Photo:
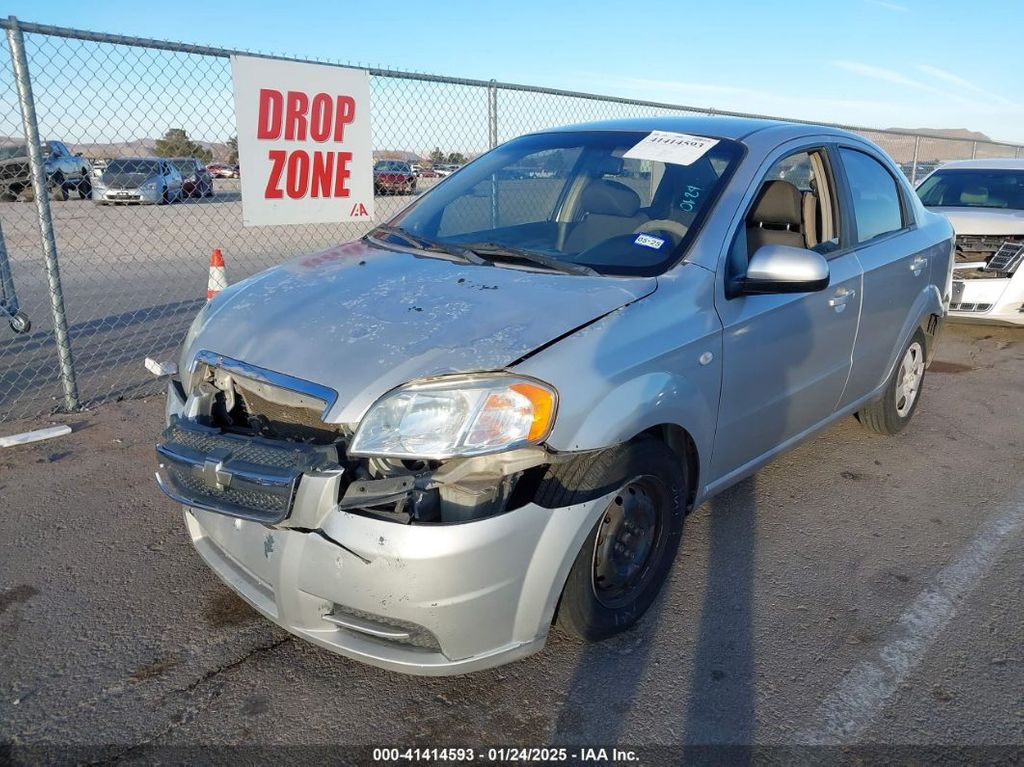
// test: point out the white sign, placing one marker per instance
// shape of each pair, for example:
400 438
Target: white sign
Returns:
676 148
303 142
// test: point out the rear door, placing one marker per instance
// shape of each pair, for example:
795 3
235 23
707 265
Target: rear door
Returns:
786 357
879 219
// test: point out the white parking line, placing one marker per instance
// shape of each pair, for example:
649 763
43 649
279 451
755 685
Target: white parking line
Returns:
867 688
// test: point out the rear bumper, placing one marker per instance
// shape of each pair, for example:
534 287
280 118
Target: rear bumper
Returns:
418 599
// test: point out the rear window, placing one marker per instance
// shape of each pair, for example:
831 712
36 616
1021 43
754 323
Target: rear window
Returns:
974 188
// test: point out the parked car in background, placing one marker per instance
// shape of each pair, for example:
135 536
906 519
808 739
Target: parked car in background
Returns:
428 172
984 200
64 171
223 170
196 180
541 377
446 170
152 180
393 177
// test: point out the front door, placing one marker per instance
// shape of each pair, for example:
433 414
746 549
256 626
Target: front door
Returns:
786 357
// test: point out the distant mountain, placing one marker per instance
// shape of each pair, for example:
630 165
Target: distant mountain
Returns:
960 133
140 147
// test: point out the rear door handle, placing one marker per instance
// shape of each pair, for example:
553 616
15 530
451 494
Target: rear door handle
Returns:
916 265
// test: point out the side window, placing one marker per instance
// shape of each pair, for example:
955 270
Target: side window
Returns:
796 205
875 195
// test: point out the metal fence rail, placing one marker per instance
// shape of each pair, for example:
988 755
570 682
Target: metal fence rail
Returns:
106 287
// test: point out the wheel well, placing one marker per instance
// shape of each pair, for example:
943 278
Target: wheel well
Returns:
682 444
930 327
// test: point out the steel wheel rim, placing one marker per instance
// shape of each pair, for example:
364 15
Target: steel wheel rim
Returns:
908 379
629 540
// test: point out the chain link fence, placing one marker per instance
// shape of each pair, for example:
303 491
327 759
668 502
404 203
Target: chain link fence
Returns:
114 285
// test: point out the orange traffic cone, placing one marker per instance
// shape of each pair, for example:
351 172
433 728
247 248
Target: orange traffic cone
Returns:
218 277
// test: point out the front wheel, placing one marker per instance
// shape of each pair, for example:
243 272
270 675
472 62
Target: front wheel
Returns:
626 558
85 189
893 411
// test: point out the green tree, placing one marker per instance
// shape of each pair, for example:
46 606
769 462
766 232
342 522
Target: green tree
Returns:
233 150
457 158
437 156
176 143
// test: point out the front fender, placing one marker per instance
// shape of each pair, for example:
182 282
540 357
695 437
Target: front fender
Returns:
649 400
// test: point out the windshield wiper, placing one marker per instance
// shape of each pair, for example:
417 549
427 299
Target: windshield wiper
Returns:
495 250
425 243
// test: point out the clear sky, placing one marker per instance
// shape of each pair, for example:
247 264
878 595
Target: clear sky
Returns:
876 63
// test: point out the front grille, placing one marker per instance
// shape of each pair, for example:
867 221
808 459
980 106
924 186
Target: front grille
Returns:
271 506
246 477
279 455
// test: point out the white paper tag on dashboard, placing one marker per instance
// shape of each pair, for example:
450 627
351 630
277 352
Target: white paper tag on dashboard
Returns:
675 148
649 241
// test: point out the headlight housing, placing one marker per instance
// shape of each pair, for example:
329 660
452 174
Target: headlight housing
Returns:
457 416
149 186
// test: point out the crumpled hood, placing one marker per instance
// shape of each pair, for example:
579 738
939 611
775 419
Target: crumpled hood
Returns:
362 320
984 220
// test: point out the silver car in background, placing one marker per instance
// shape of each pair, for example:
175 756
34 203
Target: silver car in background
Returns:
984 200
421 448
149 180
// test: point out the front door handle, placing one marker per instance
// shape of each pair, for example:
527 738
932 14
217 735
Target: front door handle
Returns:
918 264
840 299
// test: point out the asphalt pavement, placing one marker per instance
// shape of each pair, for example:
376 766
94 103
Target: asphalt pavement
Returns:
861 591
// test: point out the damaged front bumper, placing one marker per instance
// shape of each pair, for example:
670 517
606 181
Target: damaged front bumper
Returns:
430 600
288 527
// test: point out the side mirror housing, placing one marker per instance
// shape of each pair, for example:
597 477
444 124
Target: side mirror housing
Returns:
785 269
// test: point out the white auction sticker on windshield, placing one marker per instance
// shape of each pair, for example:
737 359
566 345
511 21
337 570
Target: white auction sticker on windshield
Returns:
676 148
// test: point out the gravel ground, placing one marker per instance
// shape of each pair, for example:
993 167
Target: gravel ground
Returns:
790 590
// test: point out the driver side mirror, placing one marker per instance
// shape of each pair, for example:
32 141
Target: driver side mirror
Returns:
785 269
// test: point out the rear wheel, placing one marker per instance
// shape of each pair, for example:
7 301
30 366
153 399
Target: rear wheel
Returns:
893 411
627 556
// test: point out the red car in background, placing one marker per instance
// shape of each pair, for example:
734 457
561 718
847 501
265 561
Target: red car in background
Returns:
223 170
393 177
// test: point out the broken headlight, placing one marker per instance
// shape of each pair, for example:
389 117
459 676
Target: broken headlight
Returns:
457 416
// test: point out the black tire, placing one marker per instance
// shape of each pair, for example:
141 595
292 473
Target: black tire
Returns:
165 198
891 413
85 189
58 192
608 589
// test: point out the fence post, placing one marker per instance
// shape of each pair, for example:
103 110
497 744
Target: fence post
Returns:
28 116
1016 153
492 113
492 141
913 167
974 149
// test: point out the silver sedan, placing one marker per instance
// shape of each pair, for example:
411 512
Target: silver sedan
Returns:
494 412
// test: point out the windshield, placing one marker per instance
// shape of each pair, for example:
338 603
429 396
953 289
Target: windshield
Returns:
574 198
185 167
974 188
132 165
390 165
